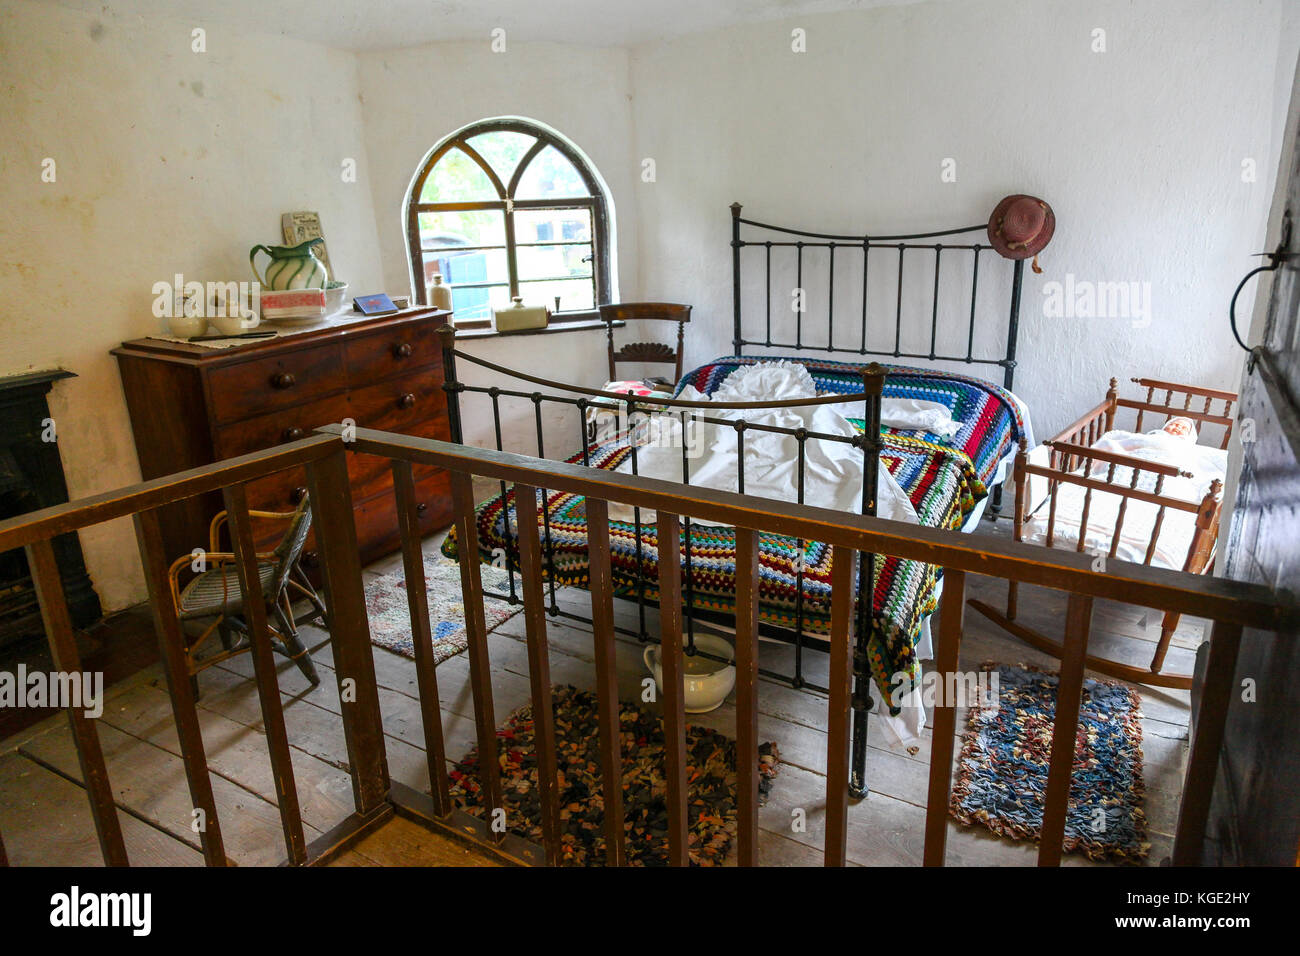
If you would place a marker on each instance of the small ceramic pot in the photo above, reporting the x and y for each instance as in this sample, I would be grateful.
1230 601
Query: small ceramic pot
706 691
233 324
186 326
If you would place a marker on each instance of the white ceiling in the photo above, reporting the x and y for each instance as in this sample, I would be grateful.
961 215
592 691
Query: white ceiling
387 24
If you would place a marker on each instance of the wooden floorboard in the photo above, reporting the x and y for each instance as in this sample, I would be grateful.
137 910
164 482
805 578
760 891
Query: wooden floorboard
399 842
885 829
46 821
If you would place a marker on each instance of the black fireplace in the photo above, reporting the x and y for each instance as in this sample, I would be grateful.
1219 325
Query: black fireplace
31 477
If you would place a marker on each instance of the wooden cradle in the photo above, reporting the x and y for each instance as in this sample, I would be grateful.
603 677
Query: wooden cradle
1071 462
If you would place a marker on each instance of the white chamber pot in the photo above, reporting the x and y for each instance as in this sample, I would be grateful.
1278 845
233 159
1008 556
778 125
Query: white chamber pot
706 682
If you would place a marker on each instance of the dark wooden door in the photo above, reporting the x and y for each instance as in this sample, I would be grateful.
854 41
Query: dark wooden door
1255 809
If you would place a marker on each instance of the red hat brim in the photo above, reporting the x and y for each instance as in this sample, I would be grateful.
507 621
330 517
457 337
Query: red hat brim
1033 246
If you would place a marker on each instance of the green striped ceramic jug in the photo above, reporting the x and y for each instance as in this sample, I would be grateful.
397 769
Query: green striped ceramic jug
291 267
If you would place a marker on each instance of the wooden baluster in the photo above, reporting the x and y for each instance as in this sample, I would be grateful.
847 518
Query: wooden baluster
945 717
268 685
480 668
674 694
539 668
44 570
1150 395
843 574
1087 506
1123 507
1160 520
426 676
1052 488
1207 740
747 696
171 645
335 528
602 626
1069 695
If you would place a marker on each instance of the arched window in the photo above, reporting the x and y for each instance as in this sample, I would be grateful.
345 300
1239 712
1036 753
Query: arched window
506 208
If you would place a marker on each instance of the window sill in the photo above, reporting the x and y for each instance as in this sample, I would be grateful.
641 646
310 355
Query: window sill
552 329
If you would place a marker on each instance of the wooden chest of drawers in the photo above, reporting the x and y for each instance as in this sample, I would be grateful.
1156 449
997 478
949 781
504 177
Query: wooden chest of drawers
191 405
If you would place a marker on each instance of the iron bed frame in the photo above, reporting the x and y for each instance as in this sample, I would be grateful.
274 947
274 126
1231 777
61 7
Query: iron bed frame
869 442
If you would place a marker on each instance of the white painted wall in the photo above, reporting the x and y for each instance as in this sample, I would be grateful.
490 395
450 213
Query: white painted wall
174 161
415 97
167 161
1138 149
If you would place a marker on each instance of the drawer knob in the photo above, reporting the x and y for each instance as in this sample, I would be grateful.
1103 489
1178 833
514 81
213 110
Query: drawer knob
283 380
421 508
309 559
402 351
406 401
298 494
293 434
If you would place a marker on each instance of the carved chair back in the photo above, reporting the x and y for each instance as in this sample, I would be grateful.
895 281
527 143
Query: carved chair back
656 352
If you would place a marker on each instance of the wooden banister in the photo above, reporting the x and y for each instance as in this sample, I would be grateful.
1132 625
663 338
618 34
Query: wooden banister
480 668
944 717
426 674
1252 605
63 651
674 692
1230 604
747 696
51 522
268 686
844 571
1069 695
602 626
539 669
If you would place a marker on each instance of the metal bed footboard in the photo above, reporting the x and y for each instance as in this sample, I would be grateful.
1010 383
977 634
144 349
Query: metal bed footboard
873 377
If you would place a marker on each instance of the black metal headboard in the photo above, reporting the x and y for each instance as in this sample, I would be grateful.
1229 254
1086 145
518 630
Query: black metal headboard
902 245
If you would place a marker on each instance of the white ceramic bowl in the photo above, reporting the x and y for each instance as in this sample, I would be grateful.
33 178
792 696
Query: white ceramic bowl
227 324
704 692
186 326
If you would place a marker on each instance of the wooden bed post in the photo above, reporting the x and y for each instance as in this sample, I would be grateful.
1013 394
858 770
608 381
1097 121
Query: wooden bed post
873 386
450 384
1112 398
737 339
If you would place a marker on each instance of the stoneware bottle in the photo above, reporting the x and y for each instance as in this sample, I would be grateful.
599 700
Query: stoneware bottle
439 295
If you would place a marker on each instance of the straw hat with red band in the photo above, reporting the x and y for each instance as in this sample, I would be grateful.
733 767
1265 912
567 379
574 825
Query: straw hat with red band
1021 227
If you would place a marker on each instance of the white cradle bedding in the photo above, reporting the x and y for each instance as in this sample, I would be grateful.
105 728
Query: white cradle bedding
1205 465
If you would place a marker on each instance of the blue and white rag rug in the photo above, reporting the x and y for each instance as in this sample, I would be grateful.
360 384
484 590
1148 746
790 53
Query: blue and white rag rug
1002 775
390 614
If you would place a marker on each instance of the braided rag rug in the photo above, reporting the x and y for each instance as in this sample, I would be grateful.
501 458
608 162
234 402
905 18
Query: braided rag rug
945 478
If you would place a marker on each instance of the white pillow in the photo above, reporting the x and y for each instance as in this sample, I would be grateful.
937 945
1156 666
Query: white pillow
918 414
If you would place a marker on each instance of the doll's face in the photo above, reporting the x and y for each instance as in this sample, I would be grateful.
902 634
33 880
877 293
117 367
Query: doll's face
1181 428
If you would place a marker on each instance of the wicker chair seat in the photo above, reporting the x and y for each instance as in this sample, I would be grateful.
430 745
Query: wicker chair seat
217 590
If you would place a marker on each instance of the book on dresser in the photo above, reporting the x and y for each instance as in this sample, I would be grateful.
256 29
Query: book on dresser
191 405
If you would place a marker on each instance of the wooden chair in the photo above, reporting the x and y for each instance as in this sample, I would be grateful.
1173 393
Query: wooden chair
215 595
1071 462
654 352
